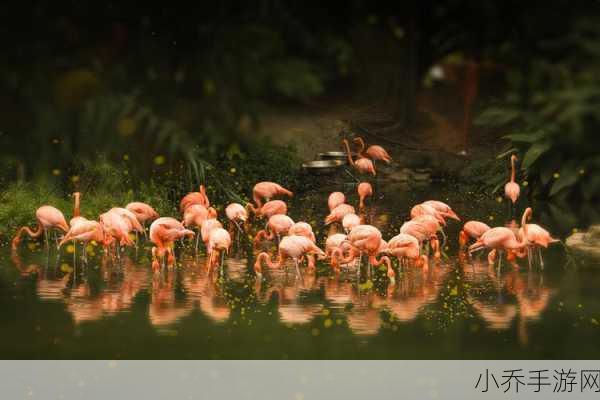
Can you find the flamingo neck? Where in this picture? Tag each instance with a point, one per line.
(350, 160)
(512, 169)
(266, 257)
(361, 142)
(76, 207)
(524, 219)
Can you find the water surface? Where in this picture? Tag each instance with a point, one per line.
(51, 308)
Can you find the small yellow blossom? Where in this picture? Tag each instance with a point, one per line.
(75, 178)
(159, 160)
(556, 175)
(126, 157)
(56, 172)
(70, 249)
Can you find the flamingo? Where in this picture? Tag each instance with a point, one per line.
(207, 226)
(195, 215)
(84, 231)
(278, 225)
(268, 209)
(268, 190)
(48, 218)
(404, 246)
(219, 242)
(129, 218)
(534, 235)
(302, 229)
(498, 239)
(512, 189)
(142, 211)
(294, 247)
(366, 239)
(364, 190)
(426, 209)
(237, 214)
(194, 198)
(431, 227)
(442, 208)
(374, 152)
(362, 165)
(116, 227)
(473, 230)
(338, 213)
(336, 246)
(164, 232)
(335, 199)
(350, 221)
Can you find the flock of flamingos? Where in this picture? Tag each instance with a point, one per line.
(416, 242)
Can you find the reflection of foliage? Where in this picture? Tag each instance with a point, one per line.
(553, 116)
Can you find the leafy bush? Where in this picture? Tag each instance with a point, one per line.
(552, 117)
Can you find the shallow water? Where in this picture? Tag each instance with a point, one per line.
(457, 309)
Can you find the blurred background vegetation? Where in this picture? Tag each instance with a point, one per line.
(124, 102)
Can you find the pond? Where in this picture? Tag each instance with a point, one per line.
(458, 309)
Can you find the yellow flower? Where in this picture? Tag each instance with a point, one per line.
(75, 178)
(159, 160)
(525, 183)
(233, 170)
(55, 141)
(499, 199)
(327, 323)
(56, 172)
(556, 175)
(70, 249)
(581, 171)
(126, 157)
(491, 217)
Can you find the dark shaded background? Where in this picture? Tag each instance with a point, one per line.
(174, 88)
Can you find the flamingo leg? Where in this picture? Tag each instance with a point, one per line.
(541, 258)
(529, 257)
(197, 241)
(222, 261)
(297, 268)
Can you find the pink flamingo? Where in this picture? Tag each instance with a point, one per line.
(237, 214)
(335, 199)
(268, 209)
(364, 190)
(302, 229)
(374, 152)
(362, 164)
(338, 213)
(164, 232)
(194, 198)
(207, 226)
(294, 247)
(366, 239)
(84, 231)
(219, 242)
(512, 189)
(129, 218)
(498, 239)
(426, 209)
(350, 221)
(268, 190)
(142, 211)
(48, 218)
(195, 215)
(116, 227)
(406, 247)
(473, 230)
(278, 225)
(442, 208)
(534, 235)
(431, 227)
(337, 247)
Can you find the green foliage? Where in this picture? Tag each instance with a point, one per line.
(553, 119)
(19, 201)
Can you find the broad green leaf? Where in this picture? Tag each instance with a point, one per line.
(496, 116)
(534, 153)
(530, 137)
